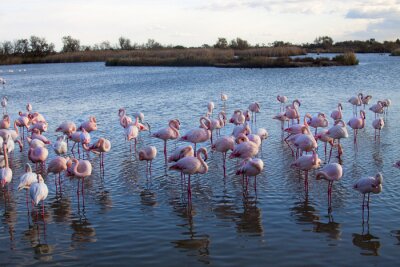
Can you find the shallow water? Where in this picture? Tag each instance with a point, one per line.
(129, 218)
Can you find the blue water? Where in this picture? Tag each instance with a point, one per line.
(130, 219)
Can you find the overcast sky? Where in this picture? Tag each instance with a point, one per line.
(195, 22)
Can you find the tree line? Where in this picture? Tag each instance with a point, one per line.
(38, 46)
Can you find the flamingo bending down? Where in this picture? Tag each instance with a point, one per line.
(80, 169)
(251, 167)
(169, 133)
(56, 166)
(192, 165)
(367, 185)
(37, 135)
(148, 153)
(223, 145)
(356, 124)
(337, 114)
(254, 108)
(198, 135)
(337, 131)
(181, 152)
(307, 163)
(100, 147)
(378, 125)
(38, 192)
(331, 172)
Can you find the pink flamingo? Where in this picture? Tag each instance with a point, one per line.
(295, 129)
(6, 172)
(28, 107)
(210, 107)
(292, 111)
(307, 163)
(337, 131)
(80, 169)
(218, 123)
(254, 108)
(282, 100)
(23, 122)
(60, 146)
(38, 155)
(357, 124)
(192, 165)
(245, 149)
(181, 152)
(324, 137)
(317, 121)
(131, 132)
(38, 192)
(4, 104)
(90, 125)
(365, 100)
(367, 185)
(124, 120)
(241, 129)
(100, 147)
(56, 166)
(305, 142)
(378, 108)
(223, 145)
(5, 122)
(76, 138)
(337, 114)
(26, 180)
(237, 117)
(85, 139)
(67, 128)
(36, 117)
(282, 118)
(148, 153)
(356, 102)
(331, 172)
(251, 167)
(41, 126)
(37, 135)
(378, 126)
(198, 135)
(169, 133)
(386, 104)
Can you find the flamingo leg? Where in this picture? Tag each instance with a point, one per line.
(165, 151)
(306, 182)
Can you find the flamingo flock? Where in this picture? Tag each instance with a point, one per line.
(243, 144)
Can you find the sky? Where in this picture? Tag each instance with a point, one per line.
(197, 22)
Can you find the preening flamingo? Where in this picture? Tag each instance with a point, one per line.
(67, 128)
(198, 135)
(169, 133)
(38, 192)
(337, 114)
(331, 172)
(148, 153)
(192, 165)
(237, 117)
(181, 152)
(89, 125)
(245, 149)
(37, 135)
(60, 146)
(386, 104)
(292, 111)
(365, 100)
(318, 121)
(307, 163)
(241, 129)
(41, 126)
(367, 185)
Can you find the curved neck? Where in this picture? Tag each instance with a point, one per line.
(203, 124)
(173, 127)
(203, 163)
(5, 153)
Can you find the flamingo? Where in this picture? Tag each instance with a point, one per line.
(292, 111)
(282, 100)
(139, 115)
(282, 118)
(101, 146)
(378, 125)
(90, 125)
(305, 141)
(13, 136)
(38, 155)
(251, 167)
(263, 134)
(28, 107)
(237, 117)
(223, 145)
(224, 97)
(324, 137)
(169, 133)
(56, 166)
(181, 152)
(307, 163)
(317, 121)
(356, 101)
(23, 122)
(36, 117)
(5, 122)
(254, 108)
(37, 135)
(38, 192)
(124, 120)
(378, 108)
(4, 101)
(337, 114)
(241, 129)
(331, 172)
(210, 108)
(76, 138)
(5, 172)
(85, 139)
(338, 131)
(67, 128)
(245, 149)
(192, 165)
(357, 124)
(367, 185)
(365, 100)
(80, 169)
(217, 124)
(41, 126)
(60, 146)
(26, 180)
(198, 135)
(386, 104)
(148, 153)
